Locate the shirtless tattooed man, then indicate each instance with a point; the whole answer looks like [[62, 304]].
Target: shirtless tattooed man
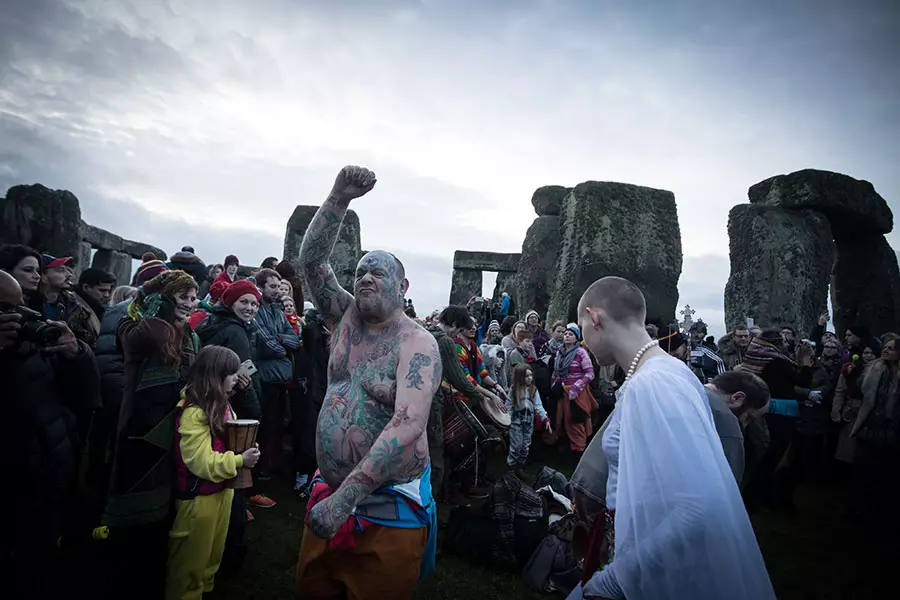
[[370, 511]]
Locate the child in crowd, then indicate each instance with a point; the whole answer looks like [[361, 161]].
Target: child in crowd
[[523, 404], [203, 466]]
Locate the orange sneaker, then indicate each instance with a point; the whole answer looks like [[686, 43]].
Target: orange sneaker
[[261, 501]]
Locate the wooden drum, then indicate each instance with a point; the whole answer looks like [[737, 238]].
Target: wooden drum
[[241, 435]]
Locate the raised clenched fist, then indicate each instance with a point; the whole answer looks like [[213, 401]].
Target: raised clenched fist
[[353, 182]]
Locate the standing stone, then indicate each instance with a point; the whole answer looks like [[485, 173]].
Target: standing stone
[[83, 259], [346, 252], [537, 268], [865, 285], [117, 263], [852, 206], [548, 200], [617, 229], [47, 220], [780, 266], [466, 283], [506, 282]]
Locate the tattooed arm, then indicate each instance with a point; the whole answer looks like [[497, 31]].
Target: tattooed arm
[[400, 452], [321, 235]]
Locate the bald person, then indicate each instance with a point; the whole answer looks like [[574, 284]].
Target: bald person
[[674, 525], [370, 526]]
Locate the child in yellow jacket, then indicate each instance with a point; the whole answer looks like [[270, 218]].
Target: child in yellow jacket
[[203, 467]]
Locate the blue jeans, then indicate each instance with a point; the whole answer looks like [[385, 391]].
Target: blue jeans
[[520, 431]]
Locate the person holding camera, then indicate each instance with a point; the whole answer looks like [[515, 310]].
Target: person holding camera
[[48, 377]]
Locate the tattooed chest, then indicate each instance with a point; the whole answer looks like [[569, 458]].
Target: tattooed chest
[[358, 405]]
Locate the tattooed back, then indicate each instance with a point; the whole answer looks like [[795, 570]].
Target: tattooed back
[[362, 390]]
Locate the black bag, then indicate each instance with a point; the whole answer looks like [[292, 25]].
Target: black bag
[[578, 413]]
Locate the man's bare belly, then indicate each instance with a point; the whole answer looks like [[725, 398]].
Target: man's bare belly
[[359, 400]]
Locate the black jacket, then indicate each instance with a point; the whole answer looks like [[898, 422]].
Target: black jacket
[[109, 355], [42, 396], [222, 328], [190, 264]]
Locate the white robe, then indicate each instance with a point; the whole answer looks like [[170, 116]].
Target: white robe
[[681, 529]]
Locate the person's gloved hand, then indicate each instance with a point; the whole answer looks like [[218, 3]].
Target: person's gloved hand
[[815, 396]]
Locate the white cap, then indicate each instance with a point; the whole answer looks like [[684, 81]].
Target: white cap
[[307, 305]]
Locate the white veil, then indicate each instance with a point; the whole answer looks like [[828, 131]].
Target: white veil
[[681, 528]]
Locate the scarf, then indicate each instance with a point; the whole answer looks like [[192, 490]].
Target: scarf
[[564, 360], [553, 346]]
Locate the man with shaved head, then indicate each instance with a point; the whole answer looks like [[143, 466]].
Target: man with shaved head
[[674, 525], [370, 525]]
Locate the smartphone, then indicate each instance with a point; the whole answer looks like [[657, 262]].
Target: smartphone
[[247, 368]]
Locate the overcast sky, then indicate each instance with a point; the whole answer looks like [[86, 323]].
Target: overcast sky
[[206, 122]]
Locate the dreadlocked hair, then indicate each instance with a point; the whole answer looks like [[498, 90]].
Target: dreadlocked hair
[[205, 387]]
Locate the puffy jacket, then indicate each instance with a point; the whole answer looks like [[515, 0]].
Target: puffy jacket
[[275, 337], [222, 328], [41, 399], [109, 356]]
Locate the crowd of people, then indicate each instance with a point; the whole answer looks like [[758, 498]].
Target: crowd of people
[[121, 391], [121, 394]]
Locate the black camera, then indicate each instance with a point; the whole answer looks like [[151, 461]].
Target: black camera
[[35, 329]]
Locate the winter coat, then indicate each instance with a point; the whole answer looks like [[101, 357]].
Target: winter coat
[[42, 396], [275, 337], [110, 362], [190, 264], [223, 328]]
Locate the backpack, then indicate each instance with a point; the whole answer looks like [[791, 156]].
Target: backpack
[[554, 565]]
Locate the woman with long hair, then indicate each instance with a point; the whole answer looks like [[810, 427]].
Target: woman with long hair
[[877, 434], [158, 347], [24, 264]]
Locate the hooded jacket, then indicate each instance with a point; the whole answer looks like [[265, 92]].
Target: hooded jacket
[[189, 263]]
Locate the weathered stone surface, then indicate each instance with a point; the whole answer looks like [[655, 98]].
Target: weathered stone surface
[[852, 206], [548, 200], [106, 240], [506, 282], [618, 229], [780, 266], [464, 285], [486, 261], [865, 285], [47, 220], [82, 258], [537, 268], [346, 251], [117, 263]]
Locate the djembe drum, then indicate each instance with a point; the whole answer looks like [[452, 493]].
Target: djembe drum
[[240, 436]]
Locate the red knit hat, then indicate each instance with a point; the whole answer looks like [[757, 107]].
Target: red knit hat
[[217, 289], [238, 289]]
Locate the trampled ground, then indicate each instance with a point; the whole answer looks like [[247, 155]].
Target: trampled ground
[[813, 554]]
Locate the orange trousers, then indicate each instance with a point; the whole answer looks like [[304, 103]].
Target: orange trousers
[[383, 565], [578, 433]]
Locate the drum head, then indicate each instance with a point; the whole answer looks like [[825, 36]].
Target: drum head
[[242, 422], [502, 419]]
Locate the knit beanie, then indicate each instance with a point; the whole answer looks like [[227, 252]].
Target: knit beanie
[[574, 329], [148, 270], [217, 289], [238, 289], [231, 259], [494, 325], [168, 283]]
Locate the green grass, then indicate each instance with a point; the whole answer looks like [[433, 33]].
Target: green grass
[[813, 554]]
